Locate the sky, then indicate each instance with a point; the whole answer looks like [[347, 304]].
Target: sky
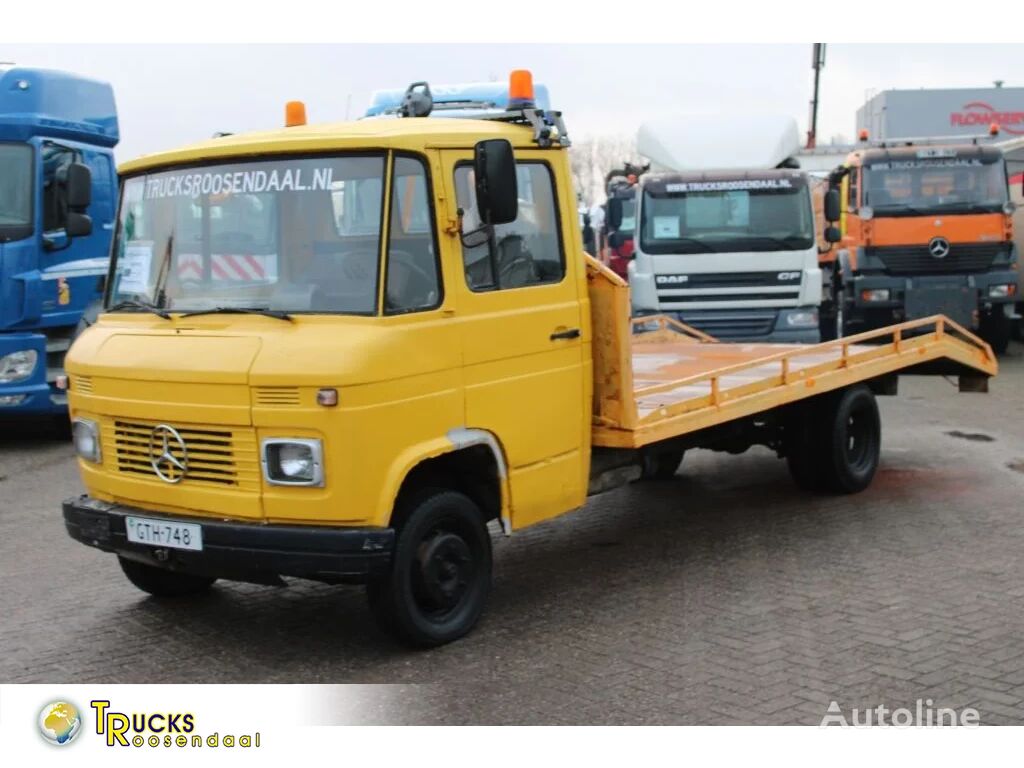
[[169, 95]]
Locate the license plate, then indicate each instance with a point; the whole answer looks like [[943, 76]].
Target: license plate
[[163, 533]]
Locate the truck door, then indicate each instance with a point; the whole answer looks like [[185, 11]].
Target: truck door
[[522, 338]]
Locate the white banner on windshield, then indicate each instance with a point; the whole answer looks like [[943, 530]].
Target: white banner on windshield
[[728, 186], [197, 184]]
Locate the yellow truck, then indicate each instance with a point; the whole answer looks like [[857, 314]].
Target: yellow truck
[[338, 352]]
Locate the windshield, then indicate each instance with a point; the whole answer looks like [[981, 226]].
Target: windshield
[[296, 235], [15, 191], [727, 216], [912, 187]]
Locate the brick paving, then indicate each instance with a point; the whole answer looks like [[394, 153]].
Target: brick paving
[[723, 596]]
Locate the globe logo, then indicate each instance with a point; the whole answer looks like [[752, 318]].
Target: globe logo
[[59, 722]]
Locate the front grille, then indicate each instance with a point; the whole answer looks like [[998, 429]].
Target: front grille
[[276, 397], [82, 384], [669, 298], [963, 258], [729, 279], [747, 325], [216, 456]]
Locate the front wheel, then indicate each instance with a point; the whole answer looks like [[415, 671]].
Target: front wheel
[[161, 582], [440, 572], [996, 329]]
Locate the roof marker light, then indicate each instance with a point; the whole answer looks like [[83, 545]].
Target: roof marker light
[[993, 130], [294, 114], [520, 89], [863, 136]]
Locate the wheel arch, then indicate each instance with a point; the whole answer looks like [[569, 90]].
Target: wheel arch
[[468, 460]]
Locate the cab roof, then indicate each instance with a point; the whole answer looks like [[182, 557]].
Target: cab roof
[[408, 133]]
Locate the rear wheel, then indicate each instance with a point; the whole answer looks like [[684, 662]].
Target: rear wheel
[[835, 442], [160, 582], [440, 572], [661, 465]]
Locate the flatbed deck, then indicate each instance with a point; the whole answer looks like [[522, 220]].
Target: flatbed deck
[[672, 380]]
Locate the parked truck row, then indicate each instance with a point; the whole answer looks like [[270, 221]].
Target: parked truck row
[[735, 239], [415, 346]]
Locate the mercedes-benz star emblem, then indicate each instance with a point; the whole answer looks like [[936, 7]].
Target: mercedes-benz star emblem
[[938, 247], [168, 467]]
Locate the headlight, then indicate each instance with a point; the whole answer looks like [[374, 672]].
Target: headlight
[[801, 318], [293, 461], [1002, 291], [867, 213], [86, 436], [1009, 207], [875, 294], [17, 366]]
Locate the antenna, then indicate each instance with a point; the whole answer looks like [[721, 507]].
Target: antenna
[[817, 64]]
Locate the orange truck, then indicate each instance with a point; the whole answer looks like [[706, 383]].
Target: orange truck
[[918, 229]]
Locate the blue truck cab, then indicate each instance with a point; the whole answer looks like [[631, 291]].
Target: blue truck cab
[[58, 191]]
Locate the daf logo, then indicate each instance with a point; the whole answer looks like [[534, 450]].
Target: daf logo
[[939, 247], [163, 440], [671, 279], [782, 276]]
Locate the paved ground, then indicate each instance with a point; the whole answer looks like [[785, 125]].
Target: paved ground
[[723, 596]]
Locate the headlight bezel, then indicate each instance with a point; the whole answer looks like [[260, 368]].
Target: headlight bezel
[[5, 363], [93, 428], [270, 461]]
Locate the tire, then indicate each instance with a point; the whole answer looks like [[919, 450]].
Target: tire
[[161, 582], [803, 447], [835, 443], [661, 465], [996, 329], [440, 571]]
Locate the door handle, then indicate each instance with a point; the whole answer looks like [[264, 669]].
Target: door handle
[[571, 333]]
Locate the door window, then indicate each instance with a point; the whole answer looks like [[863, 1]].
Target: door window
[[527, 251]]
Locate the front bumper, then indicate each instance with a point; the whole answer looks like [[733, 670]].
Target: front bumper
[[959, 297], [254, 552], [33, 396]]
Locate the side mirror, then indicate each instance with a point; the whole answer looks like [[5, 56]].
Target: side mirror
[[78, 186], [78, 224], [614, 213], [833, 235], [832, 212], [497, 192]]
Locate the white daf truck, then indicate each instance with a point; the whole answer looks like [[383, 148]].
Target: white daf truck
[[725, 238]]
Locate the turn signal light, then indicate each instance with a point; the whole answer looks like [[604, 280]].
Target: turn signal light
[[294, 114], [327, 397]]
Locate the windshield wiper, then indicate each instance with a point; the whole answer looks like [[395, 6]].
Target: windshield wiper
[[274, 313], [131, 304]]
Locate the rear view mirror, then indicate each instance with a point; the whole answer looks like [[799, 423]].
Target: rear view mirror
[[497, 192], [78, 224], [832, 205], [78, 186], [833, 235], [614, 213]]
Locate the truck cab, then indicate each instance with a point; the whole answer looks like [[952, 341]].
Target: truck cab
[[920, 228], [729, 249], [58, 188], [617, 241]]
